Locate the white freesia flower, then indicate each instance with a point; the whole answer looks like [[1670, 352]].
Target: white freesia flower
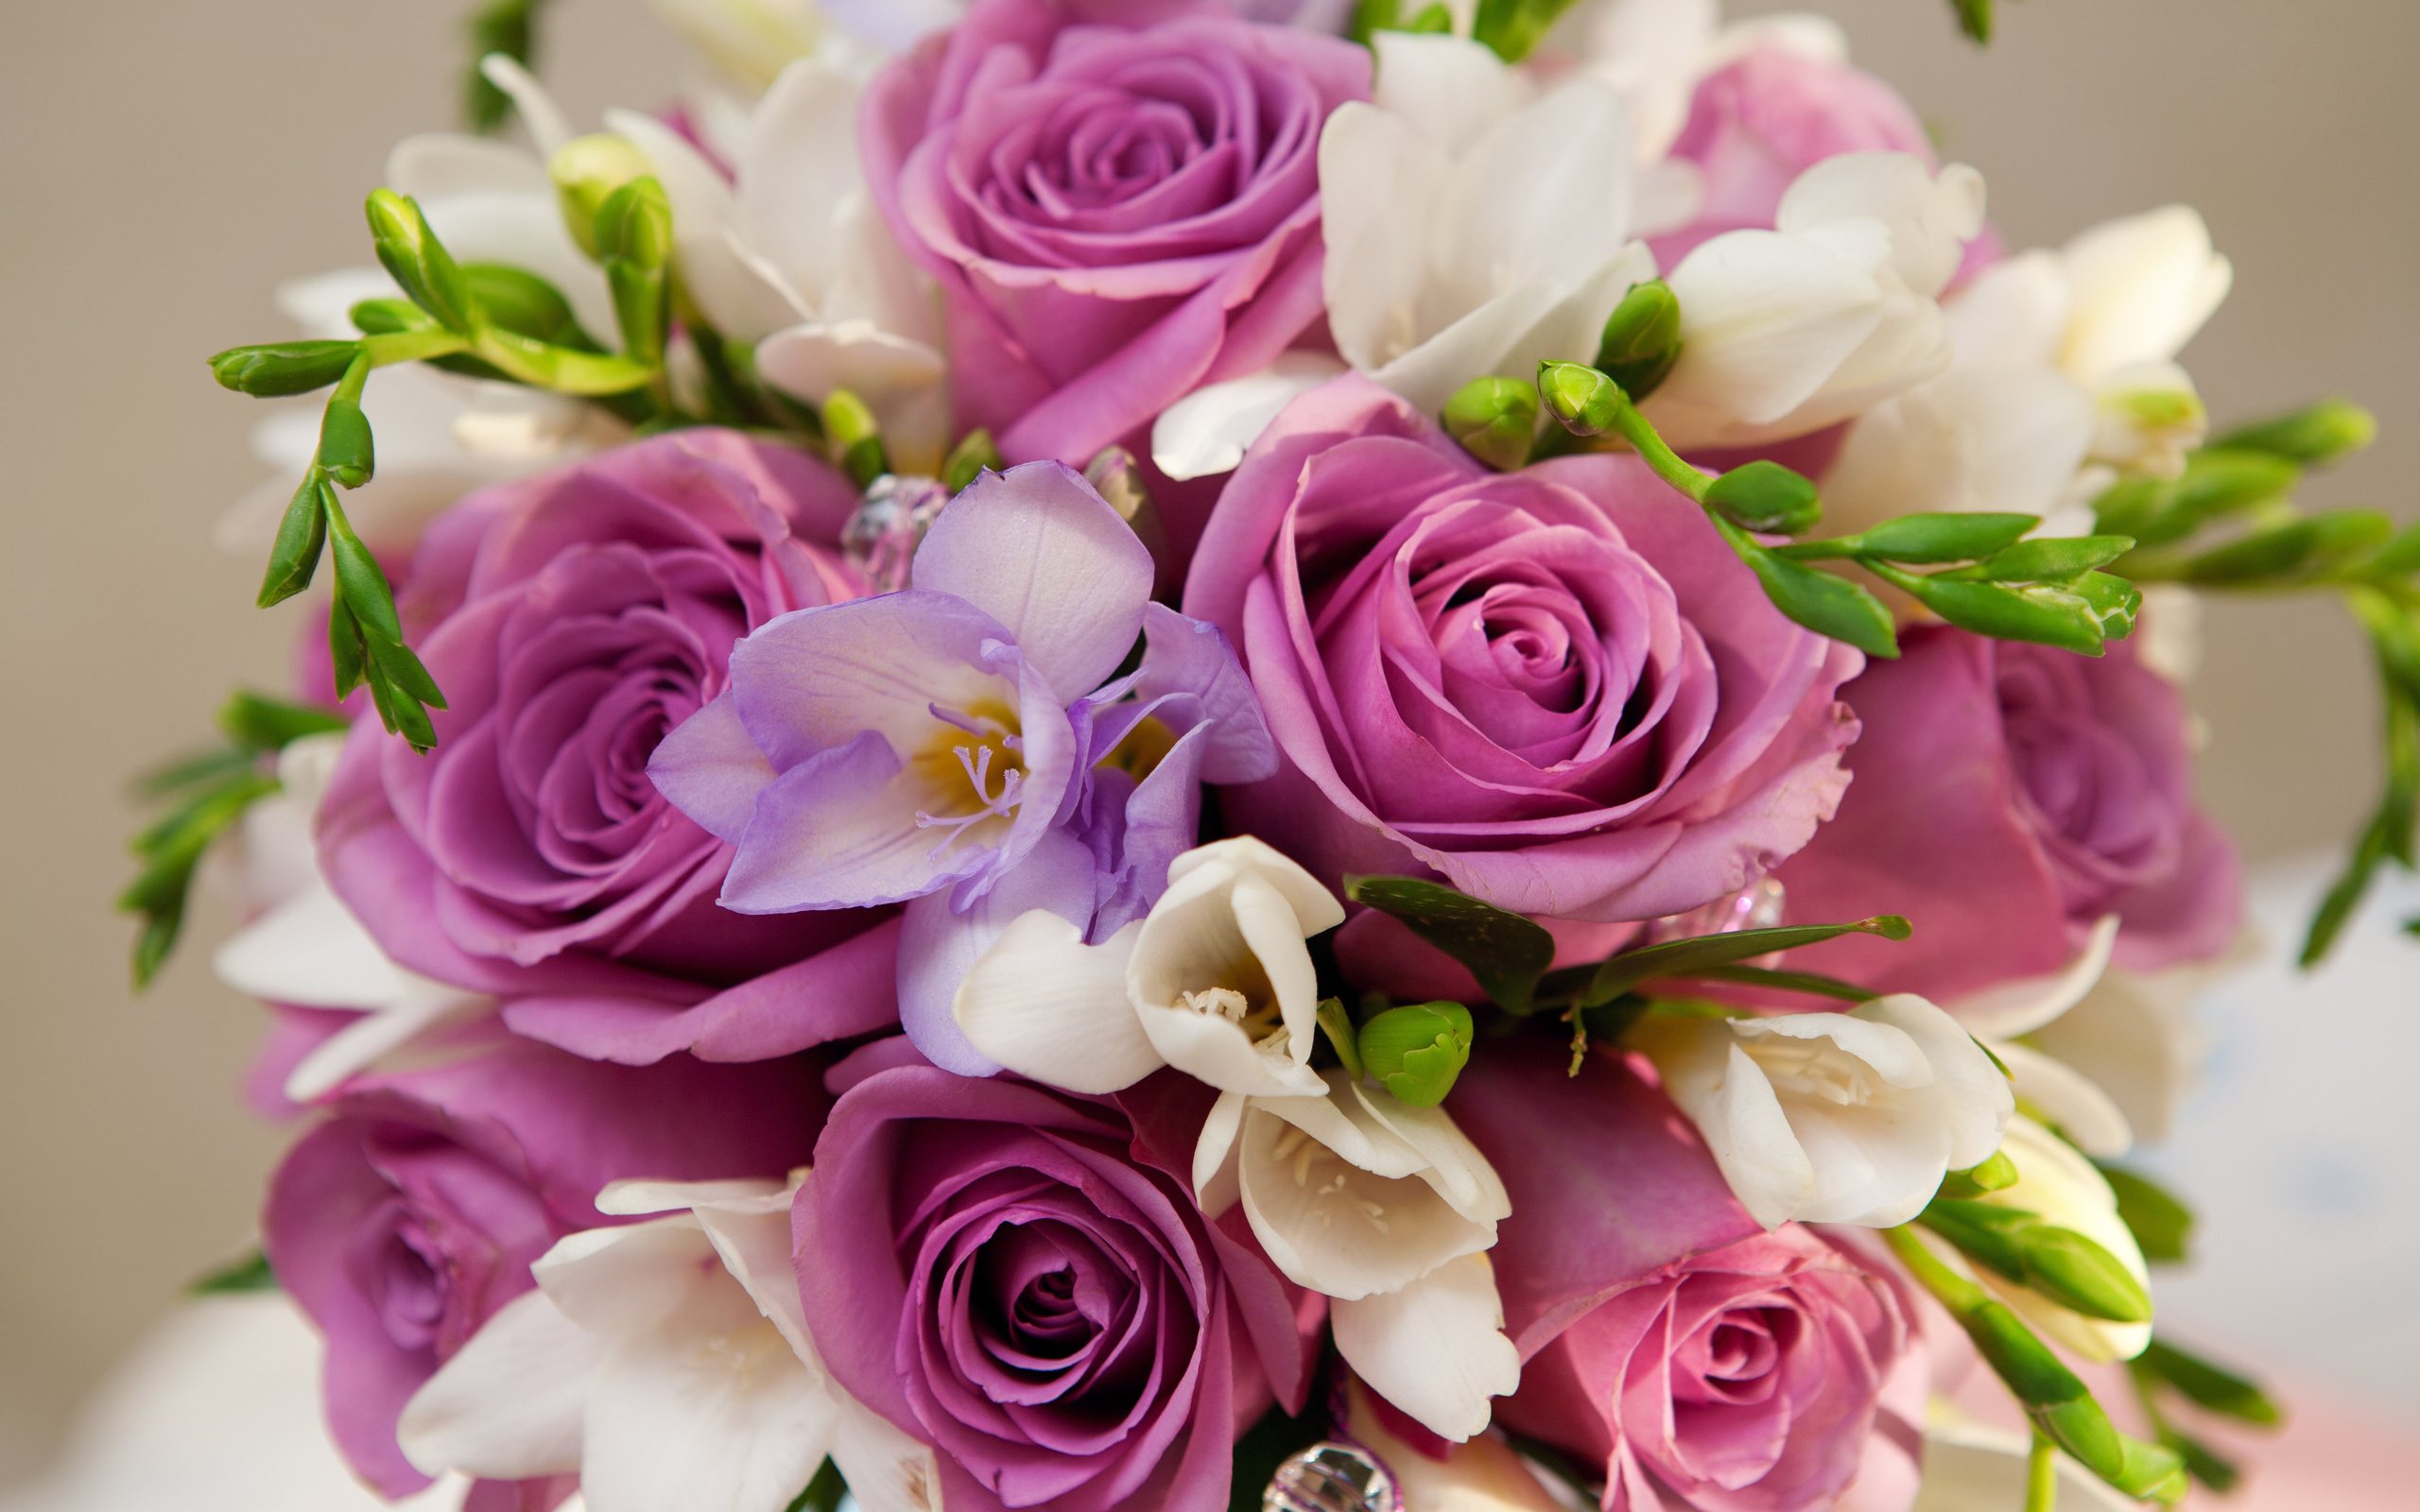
[[747, 41], [1849, 1118], [2062, 1188], [1788, 331], [2063, 366], [1474, 224], [306, 949], [668, 1365], [1384, 1208], [1216, 981], [1486, 1474], [791, 254]]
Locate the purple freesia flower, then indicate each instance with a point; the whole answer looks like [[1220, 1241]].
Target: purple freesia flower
[[960, 746]]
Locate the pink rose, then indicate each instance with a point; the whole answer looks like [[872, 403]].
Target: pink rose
[[573, 620], [1778, 1374], [1557, 688], [2006, 798], [1120, 202], [1758, 123], [404, 1219]]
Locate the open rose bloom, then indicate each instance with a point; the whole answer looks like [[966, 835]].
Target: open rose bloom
[[1412, 758]]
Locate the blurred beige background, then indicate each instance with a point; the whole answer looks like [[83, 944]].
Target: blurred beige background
[[173, 159]]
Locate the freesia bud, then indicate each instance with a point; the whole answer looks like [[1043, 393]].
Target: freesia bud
[[1115, 477], [1496, 420], [2081, 1275], [283, 369], [415, 258], [2318, 437], [1583, 401], [975, 455], [855, 438], [1992, 1176], [1418, 1050], [1642, 338], [1766, 496], [587, 170], [345, 448]]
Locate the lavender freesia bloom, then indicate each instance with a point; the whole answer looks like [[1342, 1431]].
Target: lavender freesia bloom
[[960, 746]]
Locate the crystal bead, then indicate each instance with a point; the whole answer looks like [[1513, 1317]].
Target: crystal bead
[[1331, 1477], [1758, 906], [881, 538]]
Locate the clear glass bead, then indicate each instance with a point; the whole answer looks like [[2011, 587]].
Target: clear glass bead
[[880, 540], [1758, 906], [1331, 1477]]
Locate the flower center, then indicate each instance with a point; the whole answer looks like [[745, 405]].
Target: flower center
[[1812, 1069], [1140, 753], [971, 770], [1321, 1173]]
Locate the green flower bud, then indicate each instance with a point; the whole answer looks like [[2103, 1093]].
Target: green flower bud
[[415, 258], [975, 455], [1496, 420], [345, 449], [1766, 496], [1994, 1174], [283, 369], [1583, 401], [1416, 1052], [2080, 1276], [587, 170], [1936, 537], [2324, 434], [1642, 338], [854, 438]]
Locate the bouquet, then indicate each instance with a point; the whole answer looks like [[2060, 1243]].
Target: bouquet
[[1200, 753]]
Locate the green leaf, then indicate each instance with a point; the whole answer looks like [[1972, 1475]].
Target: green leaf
[[2210, 1387], [1766, 496], [302, 537], [1809, 981], [247, 1273], [1936, 537], [1507, 953], [349, 657], [361, 580], [2161, 1225], [1513, 29], [184, 773], [1822, 602], [2207, 1466], [257, 722], [283, 369], [2388, 835], [823, 1493], [2326, 433], [170, 849], [1680, 959], [1974, 18]]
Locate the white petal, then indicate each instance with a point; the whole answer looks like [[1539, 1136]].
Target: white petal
[[1379, 180], [1727, 1095], [539, 116], [2143, 287], [2062, 1186], [1451, 88], [1218, 1054], [618, 1283], [1974, 1096], [2020, 1007], [509, 1404], [1215, 1176], [796, 172], [1542, 193], [1890, 1052], [2067, 1097], [1436, 1350], [2135, 1036], [1930, 217], [309, 951], [1208, 431], [377, 1034], [1307, 895], [1969, 1467], [640, 1198], [1450, 1163], [445, 166], [689, 1421], [1766, 320], [1045, 1004]]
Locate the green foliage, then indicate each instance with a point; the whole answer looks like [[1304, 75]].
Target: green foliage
[[823, 1493], [2161, 1226], [506, 27], [1507, 953], [2061, 1264], [975, 455], [1693, 958], [245, 1274], [1513, 29]]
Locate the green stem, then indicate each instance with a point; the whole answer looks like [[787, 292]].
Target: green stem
[[1666, 464], [1955, 1292], [2042, 1476], [390, 348]]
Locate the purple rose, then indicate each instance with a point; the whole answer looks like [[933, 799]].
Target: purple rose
[[406, 1218], [1759, 122], [1023, 1279], [1558, 688], [1119, 200], [2007, 798], [1756, 1378], [573, 620]]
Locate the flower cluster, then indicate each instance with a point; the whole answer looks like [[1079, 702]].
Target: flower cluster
[[1073, 749]]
